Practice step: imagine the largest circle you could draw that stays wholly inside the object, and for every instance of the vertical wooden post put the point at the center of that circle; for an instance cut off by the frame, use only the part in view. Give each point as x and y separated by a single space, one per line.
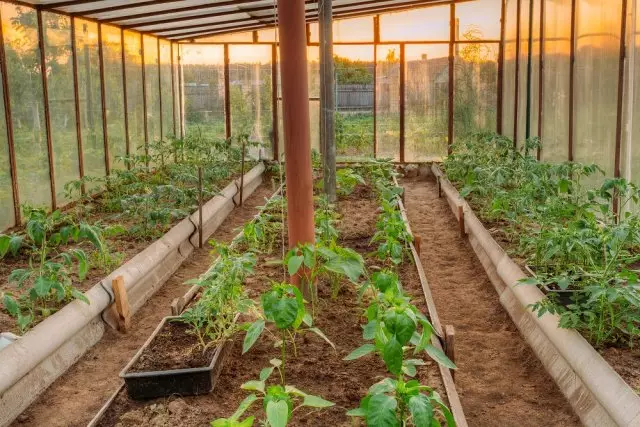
452 75
327 99
527 129
274 102
403 78
200 203
144 101
103 103
47 115
449 345
125 94
439 187
463 231
121 304
541 77
9 121
160 116
173 92
295 97
227 93
619 112
572 61
501 68
517 77
376 41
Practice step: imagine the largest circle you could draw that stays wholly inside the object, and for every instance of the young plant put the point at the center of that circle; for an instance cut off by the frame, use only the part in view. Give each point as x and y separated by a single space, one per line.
279 402
392 235
213 317
399 403
347 180
283 306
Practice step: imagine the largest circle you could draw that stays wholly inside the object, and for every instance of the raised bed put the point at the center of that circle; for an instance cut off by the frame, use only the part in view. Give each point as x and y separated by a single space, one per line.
31 364
598 395
107 412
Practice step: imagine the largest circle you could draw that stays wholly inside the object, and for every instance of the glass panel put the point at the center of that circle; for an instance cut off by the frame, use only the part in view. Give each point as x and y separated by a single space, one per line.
388 102
64 138
354 100
251 93
631 150
597 50
7 218
135 98
314 122
478 20
244 37
268 36
475 89
114 94
431 23
27 107
152 82
426 101
555 109
535 68
167 92
203 77
176 85
313 68
522 71
346 30
90 97
509 78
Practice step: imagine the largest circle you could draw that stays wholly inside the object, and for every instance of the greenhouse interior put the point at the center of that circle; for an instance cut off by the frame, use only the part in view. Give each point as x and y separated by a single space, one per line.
382 213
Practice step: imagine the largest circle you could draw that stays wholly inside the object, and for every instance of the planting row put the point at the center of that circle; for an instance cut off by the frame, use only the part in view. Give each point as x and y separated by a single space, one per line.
575 231
56 256
352 273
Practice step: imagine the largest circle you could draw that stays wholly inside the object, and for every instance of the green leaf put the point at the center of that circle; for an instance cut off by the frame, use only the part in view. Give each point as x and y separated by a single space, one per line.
294 264
358 412
285 312
369 330
16 244
392 355
253 386
77 294
11 305
323 336
382 411
360 352
244 405
421 410
253 333
316 402
42 286
277 413
437 355
4 245
266 373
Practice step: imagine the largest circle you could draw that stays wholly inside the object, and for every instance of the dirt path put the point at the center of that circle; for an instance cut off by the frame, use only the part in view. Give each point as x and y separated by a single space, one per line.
77 396
500 380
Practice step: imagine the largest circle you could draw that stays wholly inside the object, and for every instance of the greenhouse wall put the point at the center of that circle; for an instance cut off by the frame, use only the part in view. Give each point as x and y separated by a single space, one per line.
407 83
573 81
77 97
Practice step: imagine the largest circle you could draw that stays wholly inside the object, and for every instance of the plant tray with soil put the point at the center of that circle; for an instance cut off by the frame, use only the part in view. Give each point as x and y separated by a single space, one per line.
172 362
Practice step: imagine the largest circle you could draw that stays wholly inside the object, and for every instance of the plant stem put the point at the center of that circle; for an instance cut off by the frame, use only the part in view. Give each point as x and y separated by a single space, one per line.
284 357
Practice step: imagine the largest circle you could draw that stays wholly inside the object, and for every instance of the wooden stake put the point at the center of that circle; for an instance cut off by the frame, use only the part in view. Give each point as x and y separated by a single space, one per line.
439 188
461 220
417 243
200 179
449 344
122 304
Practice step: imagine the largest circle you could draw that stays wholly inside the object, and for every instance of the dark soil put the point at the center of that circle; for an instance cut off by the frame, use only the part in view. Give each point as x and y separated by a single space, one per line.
173 348
78 395
316 368
499 379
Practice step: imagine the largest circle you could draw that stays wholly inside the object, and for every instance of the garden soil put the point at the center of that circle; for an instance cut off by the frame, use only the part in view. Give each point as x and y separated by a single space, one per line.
79 394
316 369
499 379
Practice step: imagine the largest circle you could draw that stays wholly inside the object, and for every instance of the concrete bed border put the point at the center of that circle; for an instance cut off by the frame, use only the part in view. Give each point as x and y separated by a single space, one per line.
598 395
31 364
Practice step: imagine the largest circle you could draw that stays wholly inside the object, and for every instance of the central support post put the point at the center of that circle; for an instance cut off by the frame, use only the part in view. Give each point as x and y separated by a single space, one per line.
327 99
295 106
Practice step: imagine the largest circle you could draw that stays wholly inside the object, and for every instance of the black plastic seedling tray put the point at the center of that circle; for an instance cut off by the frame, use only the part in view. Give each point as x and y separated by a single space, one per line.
181 382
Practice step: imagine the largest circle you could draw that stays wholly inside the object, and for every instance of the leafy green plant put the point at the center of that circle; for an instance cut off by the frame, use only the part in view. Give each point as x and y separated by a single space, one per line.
392 235
283 306
213 317
347 180
395 402
279 401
